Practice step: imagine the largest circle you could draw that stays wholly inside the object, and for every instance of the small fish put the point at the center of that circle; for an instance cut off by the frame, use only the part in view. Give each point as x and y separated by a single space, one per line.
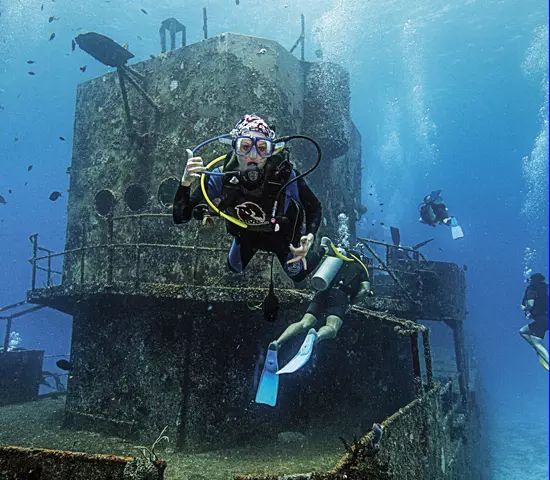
83 68
381 204
465 268
62 139
440 249
29 168
52 18
9 191
2 200
144 11
30 62
139 38
382 223
54 196
370 194
16 139
26 183
52 36
73 45
42 7
64 365
32 73
237 2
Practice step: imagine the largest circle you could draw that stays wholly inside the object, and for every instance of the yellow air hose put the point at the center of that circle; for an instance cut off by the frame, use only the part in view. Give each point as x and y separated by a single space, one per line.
229 218
346 259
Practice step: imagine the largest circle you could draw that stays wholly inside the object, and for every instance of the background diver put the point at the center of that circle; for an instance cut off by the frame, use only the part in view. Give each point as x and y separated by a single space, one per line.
246 192
535 306
341 280
433 211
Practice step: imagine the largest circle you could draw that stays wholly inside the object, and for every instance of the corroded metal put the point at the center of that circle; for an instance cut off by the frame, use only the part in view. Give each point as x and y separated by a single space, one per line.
18 462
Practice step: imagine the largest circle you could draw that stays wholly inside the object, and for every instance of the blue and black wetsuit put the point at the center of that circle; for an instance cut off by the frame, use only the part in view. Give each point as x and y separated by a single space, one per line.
301 210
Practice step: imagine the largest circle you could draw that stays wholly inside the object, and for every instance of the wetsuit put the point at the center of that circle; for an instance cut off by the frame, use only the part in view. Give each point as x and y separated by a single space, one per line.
433 213
253 207
342 291
539 312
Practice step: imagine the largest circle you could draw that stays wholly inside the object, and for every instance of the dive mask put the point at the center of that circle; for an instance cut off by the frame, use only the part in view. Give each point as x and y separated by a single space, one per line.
264 146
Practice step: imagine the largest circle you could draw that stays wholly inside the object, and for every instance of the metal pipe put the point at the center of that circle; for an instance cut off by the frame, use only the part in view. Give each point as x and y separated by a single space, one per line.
138 252
428 357
172 36
204 23
125 245
162 32
13 305
7 336
38 267
34 239
416 365
458 335
83 254
110 227
24 312
377 242
303 36
129 122
395 279
138 87
49 278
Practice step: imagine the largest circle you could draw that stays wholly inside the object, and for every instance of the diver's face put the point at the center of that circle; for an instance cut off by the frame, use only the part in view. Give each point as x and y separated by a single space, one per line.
252 156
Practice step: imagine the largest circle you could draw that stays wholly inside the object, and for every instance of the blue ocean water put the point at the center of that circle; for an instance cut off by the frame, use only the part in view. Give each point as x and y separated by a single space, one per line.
450 96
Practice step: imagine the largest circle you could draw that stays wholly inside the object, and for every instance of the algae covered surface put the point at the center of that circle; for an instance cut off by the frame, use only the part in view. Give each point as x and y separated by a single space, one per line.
39 424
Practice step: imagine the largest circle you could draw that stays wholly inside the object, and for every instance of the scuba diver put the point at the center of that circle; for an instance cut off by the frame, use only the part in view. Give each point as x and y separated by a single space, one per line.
433 211
535 306
261 196
341 280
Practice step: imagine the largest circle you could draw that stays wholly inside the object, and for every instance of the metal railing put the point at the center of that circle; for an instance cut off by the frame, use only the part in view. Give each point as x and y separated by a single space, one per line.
137 247
173 26
387 266
301 39
110 247
11 317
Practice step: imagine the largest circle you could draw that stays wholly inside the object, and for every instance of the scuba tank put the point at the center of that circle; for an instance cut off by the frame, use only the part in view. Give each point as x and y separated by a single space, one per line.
326 272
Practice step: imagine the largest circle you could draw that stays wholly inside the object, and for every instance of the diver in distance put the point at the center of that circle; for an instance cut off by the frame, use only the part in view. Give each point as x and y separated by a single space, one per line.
263 199
433 211
535 306
341 279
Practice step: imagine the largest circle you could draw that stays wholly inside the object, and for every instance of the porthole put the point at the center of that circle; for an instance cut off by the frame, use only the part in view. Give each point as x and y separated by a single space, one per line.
104 202
167 191
135 197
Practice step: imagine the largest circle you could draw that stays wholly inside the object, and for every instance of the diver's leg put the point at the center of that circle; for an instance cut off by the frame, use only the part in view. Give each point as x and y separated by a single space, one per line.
330 330
240 254
337 304
539 347
531 334
308 320
297 328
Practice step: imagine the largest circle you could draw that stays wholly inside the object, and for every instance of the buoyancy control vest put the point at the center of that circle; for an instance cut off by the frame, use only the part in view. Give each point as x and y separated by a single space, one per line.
253 203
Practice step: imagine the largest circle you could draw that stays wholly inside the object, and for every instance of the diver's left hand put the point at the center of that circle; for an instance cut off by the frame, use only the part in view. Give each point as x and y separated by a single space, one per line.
300 252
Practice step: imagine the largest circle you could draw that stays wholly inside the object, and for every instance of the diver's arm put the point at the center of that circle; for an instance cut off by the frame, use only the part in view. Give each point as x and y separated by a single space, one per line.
312 207
184 203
